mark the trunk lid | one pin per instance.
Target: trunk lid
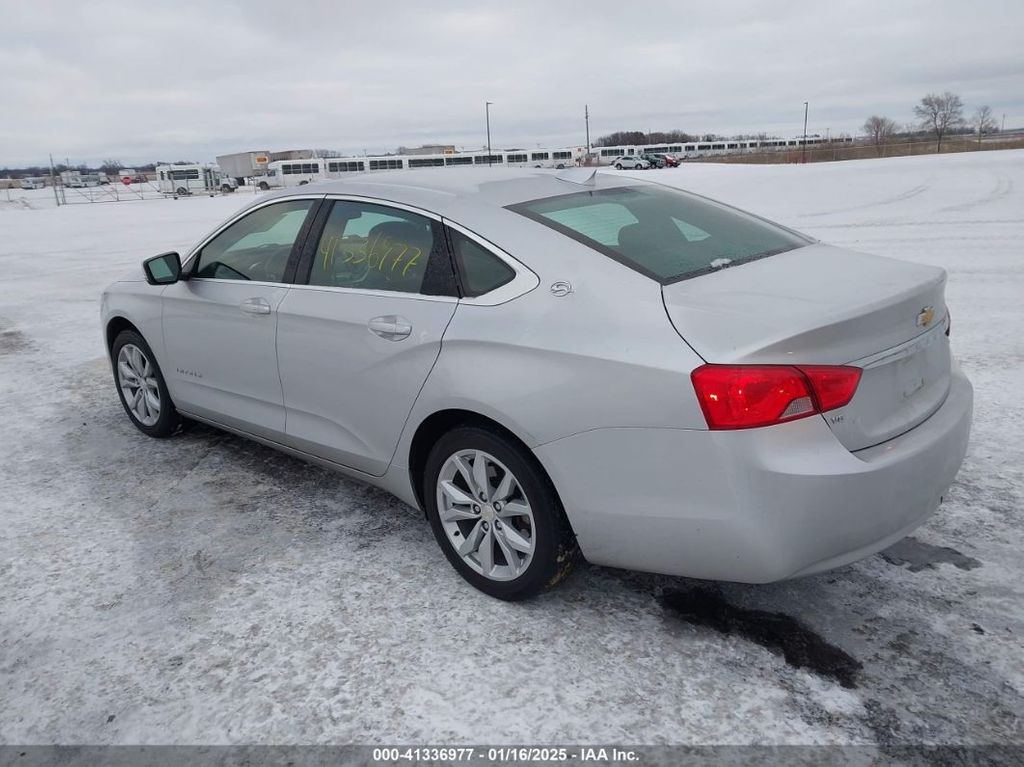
(825, 305)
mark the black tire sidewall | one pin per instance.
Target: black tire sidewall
(169, 419)
(555, 544)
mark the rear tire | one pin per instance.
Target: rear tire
(264, 186)
(516, 540)
(138, 376)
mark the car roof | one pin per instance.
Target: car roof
(438, 189)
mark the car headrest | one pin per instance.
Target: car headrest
(398, 253)
(633, 238)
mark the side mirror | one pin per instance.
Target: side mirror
(164, 269)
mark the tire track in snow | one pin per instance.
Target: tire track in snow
(905, 195)
(1003, 187)
(947, 222)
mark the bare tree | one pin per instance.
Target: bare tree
(938, 113)
(111, 167)
(880, 130)
(983, 121)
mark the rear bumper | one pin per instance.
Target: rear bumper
(753, 506)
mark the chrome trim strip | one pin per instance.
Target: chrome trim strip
(237, 217)
(524, 281)
(379, 293)
(384, 203)
(918, 343)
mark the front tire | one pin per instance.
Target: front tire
(496, 515)
(141, 386)
(618, 166)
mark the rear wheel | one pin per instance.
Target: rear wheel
(264, 186)
(496, 515)
(141, 386)
(181, 191)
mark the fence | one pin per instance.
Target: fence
(862, 150)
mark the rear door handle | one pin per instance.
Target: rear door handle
(391, 327)
(255, 306)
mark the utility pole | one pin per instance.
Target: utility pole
(586, 118)
(1004, 123)
(803, 151)
(53, 182)
(487, 110)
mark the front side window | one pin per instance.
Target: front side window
(374, 247)
(257, 246)
(665, 234)
(481, 270)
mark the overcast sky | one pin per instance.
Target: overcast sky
(142, 81)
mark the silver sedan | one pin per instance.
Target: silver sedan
(556, 363)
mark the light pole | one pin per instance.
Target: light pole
(586, 117)
(803, 151)
(487, 111)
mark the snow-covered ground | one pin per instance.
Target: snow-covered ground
(206, 589)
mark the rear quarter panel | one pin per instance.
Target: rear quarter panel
(545, 366)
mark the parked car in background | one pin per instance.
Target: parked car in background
(655, 160)
(32, 182)
(753, 405)
(670, 160)
(629, 161)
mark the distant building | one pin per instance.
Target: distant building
(428, 149)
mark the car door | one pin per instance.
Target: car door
(220, 324)
(358, 339)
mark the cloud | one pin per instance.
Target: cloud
(191, 79)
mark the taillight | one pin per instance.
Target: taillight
(747, 396)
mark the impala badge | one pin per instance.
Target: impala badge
(924, 319)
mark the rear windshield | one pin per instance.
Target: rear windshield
(663, 233)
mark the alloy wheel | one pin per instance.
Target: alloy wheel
(137, 378)
(486, 515)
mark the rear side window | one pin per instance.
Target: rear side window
(374, 247)
(663, 233)
(481, 270)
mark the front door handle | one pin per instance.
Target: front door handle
(391, 327)
(255, 306)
